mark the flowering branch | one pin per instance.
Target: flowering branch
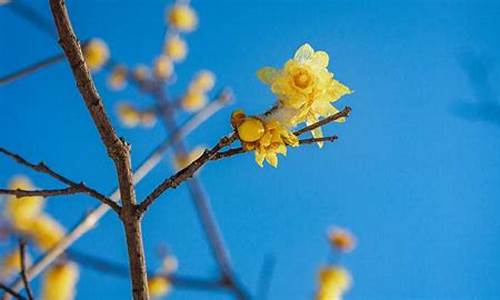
(22, 255)
(73, 186)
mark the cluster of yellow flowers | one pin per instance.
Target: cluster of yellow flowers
(195, 97)
(305, 89)
(26, 216)
(131, 117)
(59, 282)
(335, 280)
(96, 54)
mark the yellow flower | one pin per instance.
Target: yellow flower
(266, 136)
(306, 85)
(194, 100)
(142, 72)
(182, 17)
(20, 211)
(159, 286)
(59, 282)
(333, 282)
(175, 48)
(117, 80)
(180, 162)
(96, 54)
(11, 264)
(204, 81)
(128, 115)
(163, 67)
(45, 232)
(342, 239)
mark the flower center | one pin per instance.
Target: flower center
(302, 79)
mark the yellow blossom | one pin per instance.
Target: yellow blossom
(59, 282)
(45, 232)
(117, 80)
(159, 286)
(163, 67)
(194, 100)
(334, 281)
(175, 48)
(203, 81)
(266, 136)
(306, 85)
(141, 72)
(342, 239)
(11, 264)
(20, 211)
(96, 54)
(128, 115)
(182, 17)
(182, 161)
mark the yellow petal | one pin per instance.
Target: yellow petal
(268, 74)
(320, 59)
(304, 53)
(272, 159)
(259, 158)
(281, 149)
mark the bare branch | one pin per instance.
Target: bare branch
(19, 193)
(150, 162)
(43, 168)
(22, 254)
(174, 180)
(9, 291)
(341, 114)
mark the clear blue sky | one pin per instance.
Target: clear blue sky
(415, 173)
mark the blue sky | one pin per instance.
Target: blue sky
(415, 173)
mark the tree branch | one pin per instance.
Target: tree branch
(19, 193)
(118, 150)
(9, 291)
(78, 187)
(344, 113)
(22, 254)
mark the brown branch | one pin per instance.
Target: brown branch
(22, 255)
(186, 173)
(43, 193)
(118, 150)
(43, 168)
(150, 162)
(9, 291)
(344, 113)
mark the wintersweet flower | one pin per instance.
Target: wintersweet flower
(342, 239)
(11, 264)
(163, 67)
(159, 286)
(45, 232)
(96, 54)
(175, 48)
(128, 115)
(182, 17)
(264, 135)
(141, 72)
(334, 281)
(20, 211)
(194, 100)
(182, 161)
(204, 81)
(59, 282)
(117, 80)
(306, 85)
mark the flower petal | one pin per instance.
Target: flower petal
(320, 59)
(268, 74)
(272, 159)
(304, 53)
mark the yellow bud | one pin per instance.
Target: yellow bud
(176, 48)
(163, 67)
(96, 54)
(237, 117)
(142, 72)
(204, 80)
(59, 282)
(118, 78)
(159, 286)
(182, 17)
(45, 232)
(128, 115)
(335, 280)
(194, 100)
(251, 130)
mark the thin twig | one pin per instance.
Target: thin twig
(43, 168)
(9, 291)
(341, 114)
(43, 193)
(22, 254)
(31, 68)
(150, 162)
